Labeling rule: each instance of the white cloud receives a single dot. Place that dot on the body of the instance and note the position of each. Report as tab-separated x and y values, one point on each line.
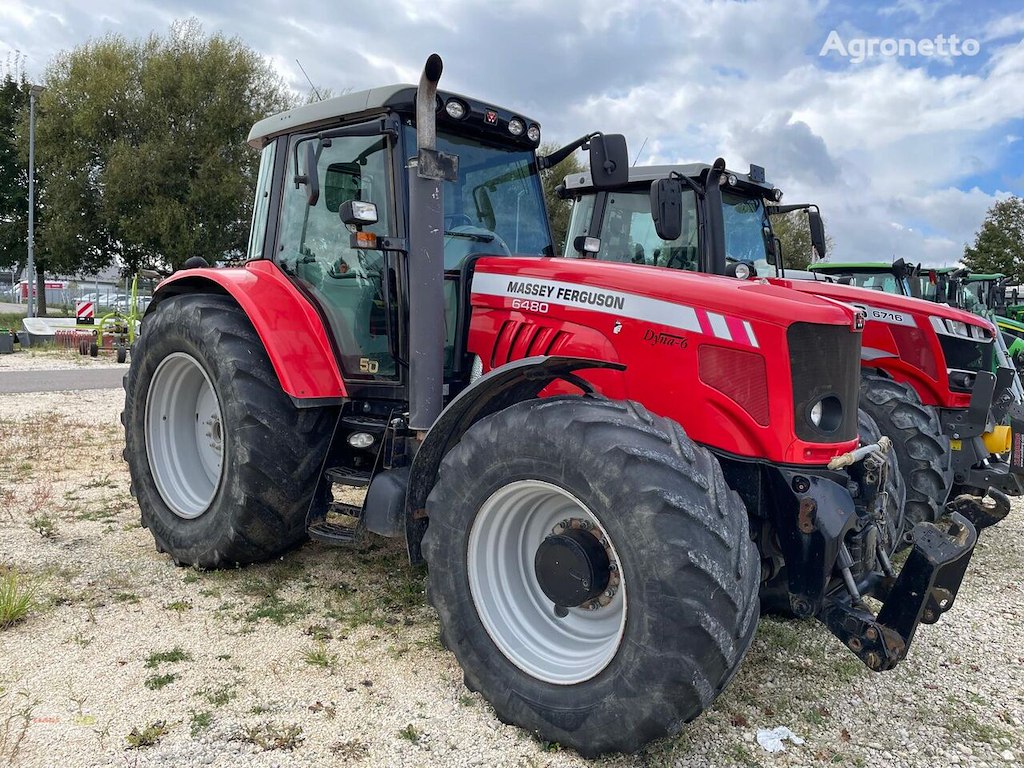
883	146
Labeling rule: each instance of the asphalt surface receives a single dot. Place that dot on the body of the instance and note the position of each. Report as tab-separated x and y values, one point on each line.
60	381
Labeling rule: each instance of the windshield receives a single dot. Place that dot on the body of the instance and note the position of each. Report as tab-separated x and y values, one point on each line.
745	219
496	206
628	234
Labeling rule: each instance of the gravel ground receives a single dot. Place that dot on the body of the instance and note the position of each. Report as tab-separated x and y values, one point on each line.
330	657
49	359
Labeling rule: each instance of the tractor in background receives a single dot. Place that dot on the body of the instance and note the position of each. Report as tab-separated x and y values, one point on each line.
929	374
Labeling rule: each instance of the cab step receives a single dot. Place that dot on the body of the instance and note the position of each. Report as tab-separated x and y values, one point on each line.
333	532
350	477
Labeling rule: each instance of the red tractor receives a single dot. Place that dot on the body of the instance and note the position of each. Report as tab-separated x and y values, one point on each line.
926	368
602	470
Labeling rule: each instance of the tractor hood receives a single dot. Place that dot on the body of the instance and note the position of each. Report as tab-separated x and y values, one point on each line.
615	287
888	302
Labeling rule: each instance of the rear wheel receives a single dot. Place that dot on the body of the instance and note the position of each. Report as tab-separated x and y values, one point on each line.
922	451
593	574
222	462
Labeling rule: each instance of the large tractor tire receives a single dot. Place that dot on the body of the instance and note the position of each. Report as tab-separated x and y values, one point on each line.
921	449
594	575
222	462
775	593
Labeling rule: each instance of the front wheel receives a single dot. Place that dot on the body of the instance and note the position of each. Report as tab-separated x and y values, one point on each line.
593	574
222	462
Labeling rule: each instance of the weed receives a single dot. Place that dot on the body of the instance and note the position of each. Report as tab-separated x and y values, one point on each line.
410	734
318	632
156	682
270	736
281	612
466	700
127	597
147	736
353	749
259	709
179	606
319	656
200	722
16	598
177	653
221	696
44	525
14	722
191	577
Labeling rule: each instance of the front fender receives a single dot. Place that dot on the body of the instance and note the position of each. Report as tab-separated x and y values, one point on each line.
291	329
511	383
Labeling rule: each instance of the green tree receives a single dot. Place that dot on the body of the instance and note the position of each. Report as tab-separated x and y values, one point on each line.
13	173
559	210
795	235
141	145
999	244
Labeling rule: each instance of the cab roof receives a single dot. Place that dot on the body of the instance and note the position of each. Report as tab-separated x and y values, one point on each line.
649	173
400	97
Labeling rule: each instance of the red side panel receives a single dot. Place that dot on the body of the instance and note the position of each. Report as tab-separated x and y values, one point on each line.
291	330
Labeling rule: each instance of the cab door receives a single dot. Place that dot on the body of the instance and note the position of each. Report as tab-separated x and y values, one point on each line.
352	287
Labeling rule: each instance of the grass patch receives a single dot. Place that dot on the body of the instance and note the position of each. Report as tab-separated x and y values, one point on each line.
16	598
281	612
351	750
410	734
44	525
179	606
270	736
148	736
218	697
177	653
156	682
200	721
319	656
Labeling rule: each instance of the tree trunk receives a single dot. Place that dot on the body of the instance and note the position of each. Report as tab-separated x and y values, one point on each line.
40	292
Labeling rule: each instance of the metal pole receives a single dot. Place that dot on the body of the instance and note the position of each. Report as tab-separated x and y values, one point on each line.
34	91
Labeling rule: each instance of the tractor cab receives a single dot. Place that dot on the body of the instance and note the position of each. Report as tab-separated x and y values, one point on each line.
315	163
897	277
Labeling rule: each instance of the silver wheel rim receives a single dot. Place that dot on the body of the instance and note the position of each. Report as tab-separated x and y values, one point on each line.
184	435
516	613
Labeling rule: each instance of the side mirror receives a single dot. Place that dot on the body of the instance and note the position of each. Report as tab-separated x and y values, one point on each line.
817	232
771	244
776	259
609	160
343	181
356	213
311	178
667	208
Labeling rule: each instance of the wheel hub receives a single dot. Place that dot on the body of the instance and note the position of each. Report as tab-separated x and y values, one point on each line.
572	567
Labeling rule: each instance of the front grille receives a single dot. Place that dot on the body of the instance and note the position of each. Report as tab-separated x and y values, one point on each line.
967	354
824	360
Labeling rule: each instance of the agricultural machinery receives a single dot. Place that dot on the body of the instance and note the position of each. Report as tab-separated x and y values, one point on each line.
602	471
929	376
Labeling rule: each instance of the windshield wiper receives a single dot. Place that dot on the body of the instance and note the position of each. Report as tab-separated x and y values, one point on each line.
475	236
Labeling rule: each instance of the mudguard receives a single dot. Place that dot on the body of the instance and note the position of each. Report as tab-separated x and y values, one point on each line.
291	329
511	383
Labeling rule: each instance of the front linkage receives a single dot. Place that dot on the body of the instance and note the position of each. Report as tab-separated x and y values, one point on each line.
836	554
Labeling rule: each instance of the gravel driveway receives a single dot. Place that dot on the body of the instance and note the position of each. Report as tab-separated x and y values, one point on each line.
331	657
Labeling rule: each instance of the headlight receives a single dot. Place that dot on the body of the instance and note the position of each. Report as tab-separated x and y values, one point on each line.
743	271
958	329
516	126
455	109
827	413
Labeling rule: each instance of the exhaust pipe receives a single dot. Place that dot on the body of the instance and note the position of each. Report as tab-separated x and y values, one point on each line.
426	172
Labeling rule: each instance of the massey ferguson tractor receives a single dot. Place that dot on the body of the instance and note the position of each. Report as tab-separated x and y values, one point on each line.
602	466
926	376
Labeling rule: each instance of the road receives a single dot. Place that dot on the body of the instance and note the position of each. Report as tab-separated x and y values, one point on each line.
60	381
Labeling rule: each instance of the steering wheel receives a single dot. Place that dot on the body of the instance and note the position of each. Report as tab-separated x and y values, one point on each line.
453	220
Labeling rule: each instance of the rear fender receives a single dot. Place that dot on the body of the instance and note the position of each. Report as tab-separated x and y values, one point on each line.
291	329
507	385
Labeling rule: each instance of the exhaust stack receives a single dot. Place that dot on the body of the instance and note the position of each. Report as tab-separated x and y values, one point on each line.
426	172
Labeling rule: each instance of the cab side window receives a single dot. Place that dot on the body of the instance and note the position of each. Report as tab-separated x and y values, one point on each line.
314	245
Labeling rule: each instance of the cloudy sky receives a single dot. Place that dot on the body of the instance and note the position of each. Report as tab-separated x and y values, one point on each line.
904	153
